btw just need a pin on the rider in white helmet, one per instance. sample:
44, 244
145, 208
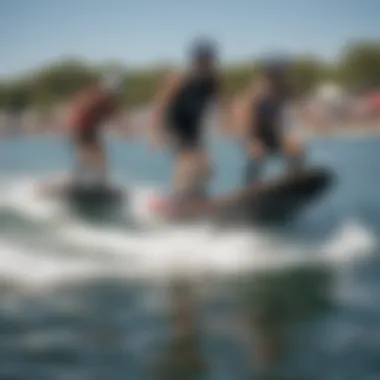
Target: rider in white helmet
91, 110
114, 84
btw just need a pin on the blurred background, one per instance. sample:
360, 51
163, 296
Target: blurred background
118, 300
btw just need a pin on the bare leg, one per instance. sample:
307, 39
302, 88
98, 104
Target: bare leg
91, 159
294, 153
296, 162
181, 175
203, 173
192, 174
255, 163
253, 170
100, 164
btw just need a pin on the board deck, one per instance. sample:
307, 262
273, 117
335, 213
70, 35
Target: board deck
276, 199
93, 201
273, 200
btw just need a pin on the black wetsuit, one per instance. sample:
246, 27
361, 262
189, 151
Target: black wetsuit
186, 111
267, 128
267, 122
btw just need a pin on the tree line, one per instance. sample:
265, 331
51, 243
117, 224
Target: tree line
357, 68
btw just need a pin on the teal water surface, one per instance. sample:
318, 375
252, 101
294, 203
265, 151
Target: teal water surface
104, 302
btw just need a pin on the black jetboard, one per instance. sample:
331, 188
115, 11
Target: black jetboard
93, 201
274, 200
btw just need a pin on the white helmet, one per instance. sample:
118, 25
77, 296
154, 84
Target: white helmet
113, 84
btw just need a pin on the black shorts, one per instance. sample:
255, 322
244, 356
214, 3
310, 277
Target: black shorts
187, 134
272, 141
87, 137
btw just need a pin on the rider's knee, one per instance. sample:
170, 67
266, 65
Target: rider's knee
293, 147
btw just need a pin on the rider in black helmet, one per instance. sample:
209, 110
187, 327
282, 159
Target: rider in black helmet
203, 51
267, 118
179, 112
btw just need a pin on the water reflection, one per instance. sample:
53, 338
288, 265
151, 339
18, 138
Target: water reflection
183, 359
238, 329
274, 307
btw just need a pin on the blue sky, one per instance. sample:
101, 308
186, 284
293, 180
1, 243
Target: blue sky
142, 32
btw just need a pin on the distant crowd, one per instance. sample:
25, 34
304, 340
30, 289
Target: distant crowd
331, 115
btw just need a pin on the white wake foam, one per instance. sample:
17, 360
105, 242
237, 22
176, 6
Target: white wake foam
20, 265
22, 196
161, 253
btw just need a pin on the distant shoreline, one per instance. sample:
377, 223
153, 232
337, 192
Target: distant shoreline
352, 134
337, 132
347, 134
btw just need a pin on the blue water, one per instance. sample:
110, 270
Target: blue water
299, 301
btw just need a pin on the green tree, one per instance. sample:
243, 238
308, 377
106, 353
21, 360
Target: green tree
360, 65
58, 82
305, 73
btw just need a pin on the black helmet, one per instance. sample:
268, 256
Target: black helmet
276, 66
203, 50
